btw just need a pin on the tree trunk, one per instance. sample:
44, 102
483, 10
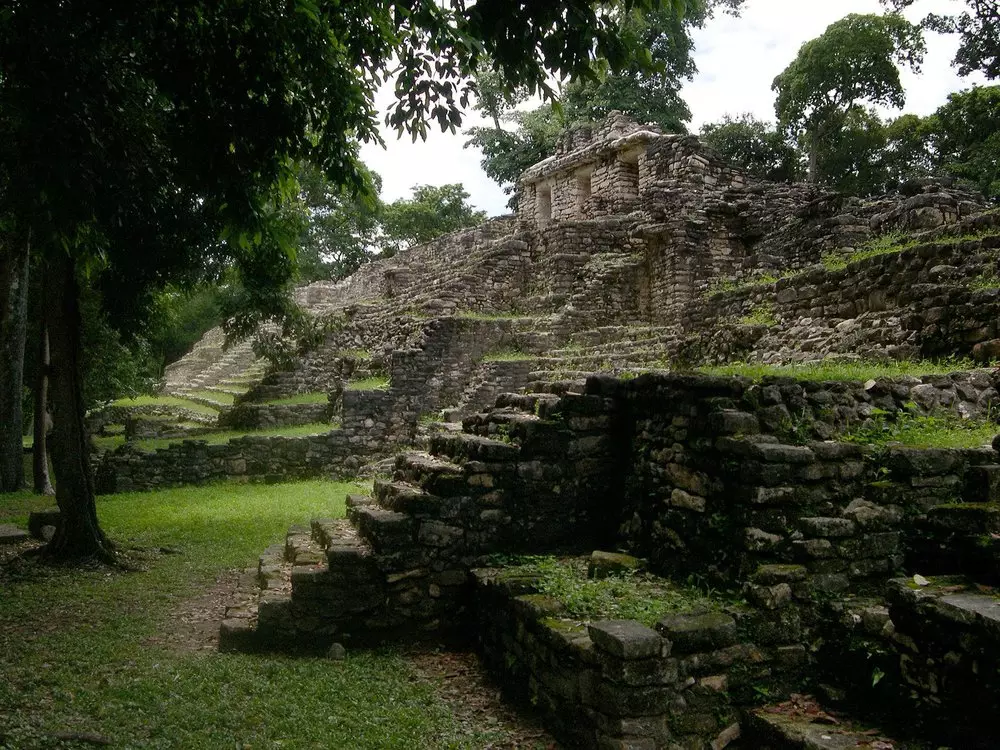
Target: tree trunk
813, 176
79, 534
13, 329
40, 454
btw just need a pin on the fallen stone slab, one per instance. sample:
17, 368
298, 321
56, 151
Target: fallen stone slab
10, 534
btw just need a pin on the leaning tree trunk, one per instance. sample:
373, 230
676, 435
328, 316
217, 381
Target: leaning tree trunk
13, 329
39, 450
79, 533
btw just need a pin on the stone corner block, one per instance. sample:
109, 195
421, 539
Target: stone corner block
627, 639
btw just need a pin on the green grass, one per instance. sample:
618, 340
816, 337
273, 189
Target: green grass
985, 280
183, 403
217, 438
762, 315
750, 282
355, 354
626, 596
378, 383
841, 370
88, 650
920, 431
892, 243
226, 399
297, 399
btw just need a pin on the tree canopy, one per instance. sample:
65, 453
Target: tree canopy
855, 62
978, 30
754, 146
431, 212
162, 140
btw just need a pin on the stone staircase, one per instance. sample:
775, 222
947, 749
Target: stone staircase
398, 564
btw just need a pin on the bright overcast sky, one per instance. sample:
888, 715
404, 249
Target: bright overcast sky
737, 59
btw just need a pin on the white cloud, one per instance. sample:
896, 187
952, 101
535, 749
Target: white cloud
737, 58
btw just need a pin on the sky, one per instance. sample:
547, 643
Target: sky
737, 60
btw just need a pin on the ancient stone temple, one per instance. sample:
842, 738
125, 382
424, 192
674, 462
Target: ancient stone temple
534, 394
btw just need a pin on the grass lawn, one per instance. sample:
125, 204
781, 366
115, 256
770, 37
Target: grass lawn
83, 651
166, 401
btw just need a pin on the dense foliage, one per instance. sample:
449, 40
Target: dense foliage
163, 141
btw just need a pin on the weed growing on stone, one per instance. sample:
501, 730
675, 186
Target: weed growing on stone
355, 354
298, 399
765, 278
508, 355
624, 596
985, 280
892, 243
376, 383
923, 431
830, 369
762, 315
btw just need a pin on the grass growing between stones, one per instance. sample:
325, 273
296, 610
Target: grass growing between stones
298, 399
217, 438
508, 355
88, 654
842, 370
924, 431
621, 596
378, 383
183, 403
762, 315
219, 397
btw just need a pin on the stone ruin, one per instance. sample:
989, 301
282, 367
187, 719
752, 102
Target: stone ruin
525, 396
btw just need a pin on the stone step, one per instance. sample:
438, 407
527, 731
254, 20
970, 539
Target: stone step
969, 518
534, 435
556, 385
529, 403
386, 531
464, 447
435, 475
301, 548
325, 530
801, 724
403, 497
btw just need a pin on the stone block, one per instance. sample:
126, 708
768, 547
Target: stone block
602, 564
827, 528
733, 422
769, 597
695, 632
627, 639
768, 575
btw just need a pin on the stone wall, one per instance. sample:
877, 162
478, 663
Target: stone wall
621, 684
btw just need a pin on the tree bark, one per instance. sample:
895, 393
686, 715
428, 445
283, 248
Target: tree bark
13, 329
39, 451
79, 534
813, 176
